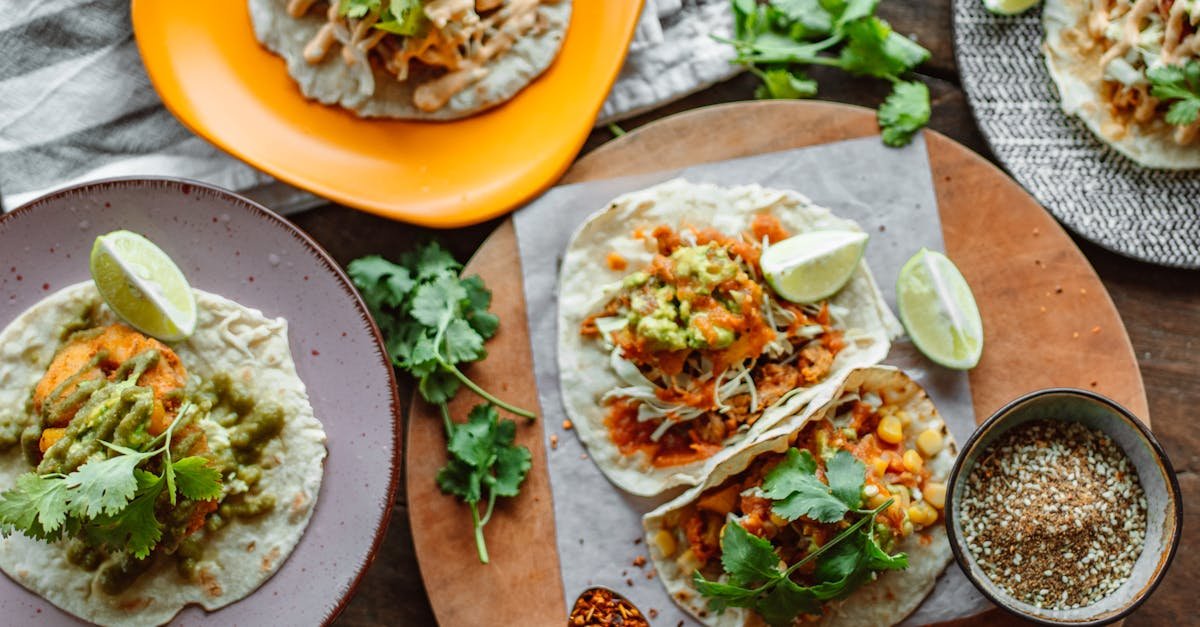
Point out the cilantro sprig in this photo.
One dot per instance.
(754, 578)
(109, 502)
(778, 39)
(400, 17)
(434, 319)
(1180, 86)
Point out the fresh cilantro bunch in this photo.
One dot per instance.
(108, 502)
(1180, 86)
(401, 17)
(434, 319)
(484, 460)
(755, 579)
(776, 39)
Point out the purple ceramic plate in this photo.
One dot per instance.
(231, 246)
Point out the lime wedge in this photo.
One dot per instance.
(811, 266)
(1008, 7)
(938, 310)
(143, 286)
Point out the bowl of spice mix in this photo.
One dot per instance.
(1063, 509)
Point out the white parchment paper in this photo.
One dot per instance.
(888, 191)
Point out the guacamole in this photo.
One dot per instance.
(678, 307)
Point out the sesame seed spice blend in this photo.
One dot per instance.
(1054, 514)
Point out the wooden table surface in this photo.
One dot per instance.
(1160, 307)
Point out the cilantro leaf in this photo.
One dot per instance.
(475, 440)
(433, 261)
(381, 282)
(438, 387)
(358, 8)
(846, 476)
(196, 479)
(37, 506)
(462, 343)
(785, 601)
(460, 479)
(1180, 84)
(797, 491)
(407, 17)
(747, 558)
(905, 112)
(512, 466)
(105, 486)
(438, 301)
(723, 595)
(134, 528)
(809, 16)
(782, 83)
(873, 49)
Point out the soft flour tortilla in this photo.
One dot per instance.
(1078, 75)
(586, 282)
(237, 559)
(373, 92)
(894, 594)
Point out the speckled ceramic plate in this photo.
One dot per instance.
(233, 247)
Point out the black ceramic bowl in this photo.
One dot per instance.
(1164, 508)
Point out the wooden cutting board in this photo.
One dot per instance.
(1047, 322)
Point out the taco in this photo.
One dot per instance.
(413, 59)
(139, 477)
(797, 500)
(1103, 54)
(672, 347)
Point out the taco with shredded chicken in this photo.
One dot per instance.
(1130, 70)
(674, 350)
(413, 59)
(138, 476)
(843, 502)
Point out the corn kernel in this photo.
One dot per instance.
(922, 514)
(665, 541)
(905, 417)
(900, 493)
(687, 561)
(778, 521)
(879, 465)
(935, 494)
(879, 498)
(912, 461)
(929, 442)
(890, 430)
(906, 529)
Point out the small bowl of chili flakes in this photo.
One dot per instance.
(603, 606)
(1062, 508)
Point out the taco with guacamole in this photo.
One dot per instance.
(413, 59)
(1130, 70)
(835, 517)
(138, 477)
(673, 349)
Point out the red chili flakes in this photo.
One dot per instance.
(553, 442)
(639, 561)
(616, 262)
(567, 425)
(600, 606)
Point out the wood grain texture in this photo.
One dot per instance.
(1014, 255)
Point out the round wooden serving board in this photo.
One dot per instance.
(1047, 321)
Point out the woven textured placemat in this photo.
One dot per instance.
(1146, 214)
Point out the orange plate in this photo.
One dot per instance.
(215, 77)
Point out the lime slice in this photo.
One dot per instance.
(811, 266)
(938, 310)
(143, 286)
(1008, 7)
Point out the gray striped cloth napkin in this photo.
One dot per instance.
(75, 103)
